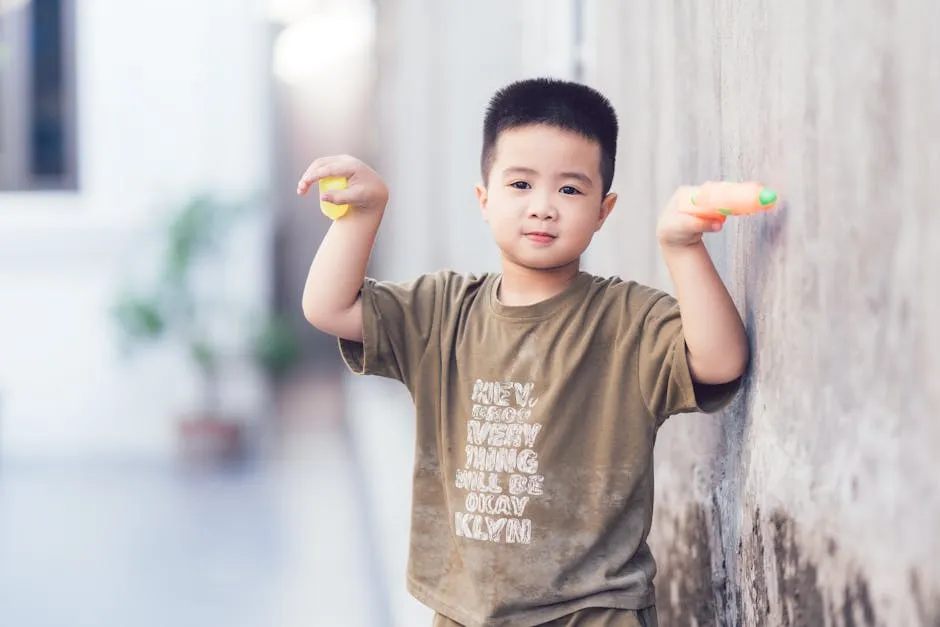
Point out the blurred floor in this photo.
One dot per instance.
(279, 542)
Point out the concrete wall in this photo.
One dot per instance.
(814, 499)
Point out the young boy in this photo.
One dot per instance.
(538, 390)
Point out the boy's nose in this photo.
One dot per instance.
(542, 210)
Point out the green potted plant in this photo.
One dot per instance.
(176, 307)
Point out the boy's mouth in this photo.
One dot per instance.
(539, 237)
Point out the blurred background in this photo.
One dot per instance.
(178, 447)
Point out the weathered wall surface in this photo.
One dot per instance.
(815, 498)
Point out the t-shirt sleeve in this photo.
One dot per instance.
(665, 378)
(398, 319)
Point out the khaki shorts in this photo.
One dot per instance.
(591, 617)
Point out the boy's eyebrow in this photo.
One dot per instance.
(578, 176)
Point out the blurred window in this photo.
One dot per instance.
(37, 95)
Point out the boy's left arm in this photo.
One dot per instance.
(714, 333)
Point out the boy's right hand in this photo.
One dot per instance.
(366, 190)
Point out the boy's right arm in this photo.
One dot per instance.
(331, 294)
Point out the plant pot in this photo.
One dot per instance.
(208, 439)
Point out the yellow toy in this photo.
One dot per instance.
(331, 183)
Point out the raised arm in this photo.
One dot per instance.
(714, 333)
(331, 294)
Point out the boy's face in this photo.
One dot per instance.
(543, 199)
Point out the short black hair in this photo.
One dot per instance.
(553, 102)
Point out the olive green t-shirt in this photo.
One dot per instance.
(533, 474)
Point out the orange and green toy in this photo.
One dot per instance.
(331, 183)
(716, 200)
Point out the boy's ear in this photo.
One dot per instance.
(607, 205)
(482, 198)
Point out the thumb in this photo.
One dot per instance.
(705, 225)
(340, 196)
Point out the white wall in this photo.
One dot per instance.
(171, 100)
(438, 65)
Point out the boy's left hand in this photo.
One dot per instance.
(676, 228)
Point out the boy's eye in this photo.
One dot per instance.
(569, 190)
(520, 185)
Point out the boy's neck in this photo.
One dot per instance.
(520, 286)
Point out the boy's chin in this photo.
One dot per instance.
(539, 263)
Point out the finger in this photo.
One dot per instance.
(323, 168)
(347, 196)
(716, 225)
(704, 225)
(713, 224)
(319, 169)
